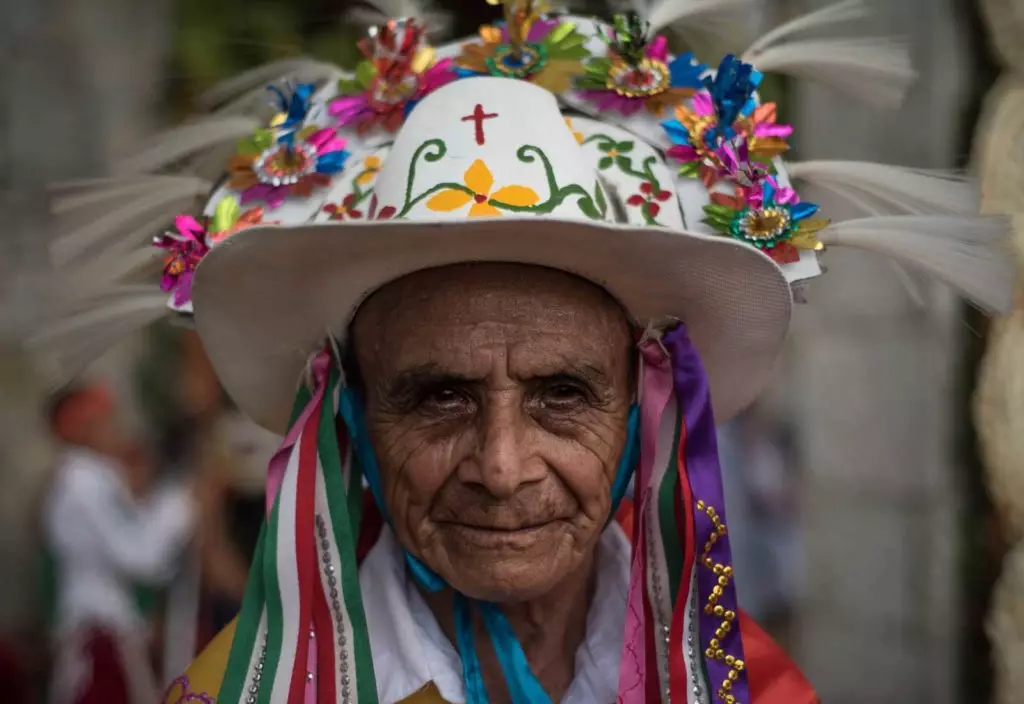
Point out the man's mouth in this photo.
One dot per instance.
(500, 527)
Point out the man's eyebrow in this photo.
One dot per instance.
(421, 375)
(431, 374)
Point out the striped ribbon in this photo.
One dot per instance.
(302, 605)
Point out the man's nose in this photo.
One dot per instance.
(504, 459)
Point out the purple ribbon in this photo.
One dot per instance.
(705, 475)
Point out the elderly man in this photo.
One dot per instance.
(497, 404)
(487, 322)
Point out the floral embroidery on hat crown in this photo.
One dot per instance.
(637, 73)
(360, 190)
(288, 158)
(399, 70)
(476, 188)
(529, 46)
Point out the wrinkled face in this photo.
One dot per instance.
(496, 399)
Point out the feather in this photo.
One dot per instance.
(155, 208)
(68, 345)
(368, 13)
(969, 254)
(250, 97)
(179, 143)
(101, 191)
(110, 268)
(876, 69)
(259, 78)
(881, 189)
(715, 21)
(841, 12)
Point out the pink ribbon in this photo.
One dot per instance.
(279, 462)
(656, 389)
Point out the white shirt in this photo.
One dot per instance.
(104, 542)
(410, 649)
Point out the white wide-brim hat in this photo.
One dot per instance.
(485, 170)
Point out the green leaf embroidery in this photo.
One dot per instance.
(625, 147)
(605, 162)
(589, 209)
(602, 204)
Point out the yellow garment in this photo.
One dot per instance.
(205, 674)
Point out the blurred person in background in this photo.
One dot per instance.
(109, 530)
(761, 487)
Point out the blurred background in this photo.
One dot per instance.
(874, 495)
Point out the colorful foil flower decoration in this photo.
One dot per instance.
(269, 169)
(637, 73)
(768, 217)
(546, 52)
(185, 249)
(398, 72)
(293, 106)
(698, 136)
(229, 219)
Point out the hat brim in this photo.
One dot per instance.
(266, 298)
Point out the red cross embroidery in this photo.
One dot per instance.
(478, 118)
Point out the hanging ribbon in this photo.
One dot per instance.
(656, 390)
(302, 613)
(719, 623)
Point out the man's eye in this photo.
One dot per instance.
(562, 397)
(446, 401)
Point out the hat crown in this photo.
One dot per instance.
(489, 147)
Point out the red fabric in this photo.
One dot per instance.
(108, 683)
(773, 677)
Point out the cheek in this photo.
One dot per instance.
(588, 465)
(413, 469)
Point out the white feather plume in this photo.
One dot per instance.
(368, 13)
(299, 70)
(714, 21)
(969, 254)
(146, 211)
(247, 94)
(70, 341)
(830, 15)
(178, 144)
(877, 70)
(882, 189)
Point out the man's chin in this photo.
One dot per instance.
(509, 584)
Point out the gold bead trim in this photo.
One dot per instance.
(724, 573)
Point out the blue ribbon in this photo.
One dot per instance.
(522, 683)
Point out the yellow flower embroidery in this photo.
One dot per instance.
(575, 133)
(371, 165)
(479, 179)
